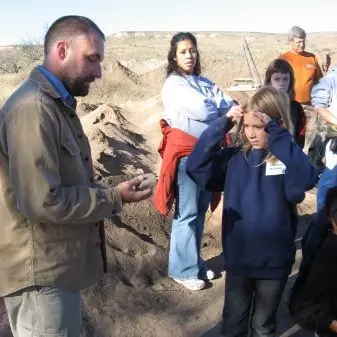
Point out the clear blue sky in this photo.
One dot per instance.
(22, 19)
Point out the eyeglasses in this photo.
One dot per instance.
(298, 42)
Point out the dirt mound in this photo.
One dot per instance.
(137, 242)
(146, 115)
(136, 298)
(136, 290)
(141, 67)
(155, 77)
(116, 145)
(84, 108)
(121, 72)
(118, 85)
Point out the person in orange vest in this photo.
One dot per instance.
(307, 73)
(305, 65)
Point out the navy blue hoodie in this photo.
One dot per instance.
(259, 214)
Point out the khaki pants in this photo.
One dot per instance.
(44, 312)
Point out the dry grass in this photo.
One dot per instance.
(222, 60)
(118, 85)
(8, 83)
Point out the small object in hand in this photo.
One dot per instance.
(149, 181)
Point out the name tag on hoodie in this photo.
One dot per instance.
(275, 169)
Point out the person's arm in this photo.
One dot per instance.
(223, 101)
(207, 164)
(327, 115)
(32, 145)
(186, 100)
(321, 97)
(300, 175)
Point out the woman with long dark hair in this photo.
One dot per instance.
(191, 103)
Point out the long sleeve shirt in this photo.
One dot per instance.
(324, 93)
(192, 102)
(259, 214)
(328, 179)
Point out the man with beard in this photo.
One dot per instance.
(51, 231)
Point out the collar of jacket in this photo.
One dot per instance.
(38, 77)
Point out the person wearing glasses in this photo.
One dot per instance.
(307, 72)
(305, 65)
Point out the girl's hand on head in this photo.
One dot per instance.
(235, 113)
(265, 119)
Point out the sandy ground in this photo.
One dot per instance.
(136, 298)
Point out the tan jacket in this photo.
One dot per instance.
(50, 207)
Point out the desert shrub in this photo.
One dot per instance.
(20, 57)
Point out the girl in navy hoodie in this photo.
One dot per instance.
(262, 180)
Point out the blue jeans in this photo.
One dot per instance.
(327, 180)
(44, 311)
(251, 306)
(187, 227)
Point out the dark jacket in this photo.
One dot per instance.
(298, 118)
(259, 214)
(313, 304)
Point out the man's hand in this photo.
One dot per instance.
(131, 190)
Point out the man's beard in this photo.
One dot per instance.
(76, 85)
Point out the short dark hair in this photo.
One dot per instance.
(67, 27)
(330, 198)
(172, 64)
(283, 67)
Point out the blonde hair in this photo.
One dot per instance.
(273, 103)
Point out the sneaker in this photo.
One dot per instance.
(192, 283)
(208, 275)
